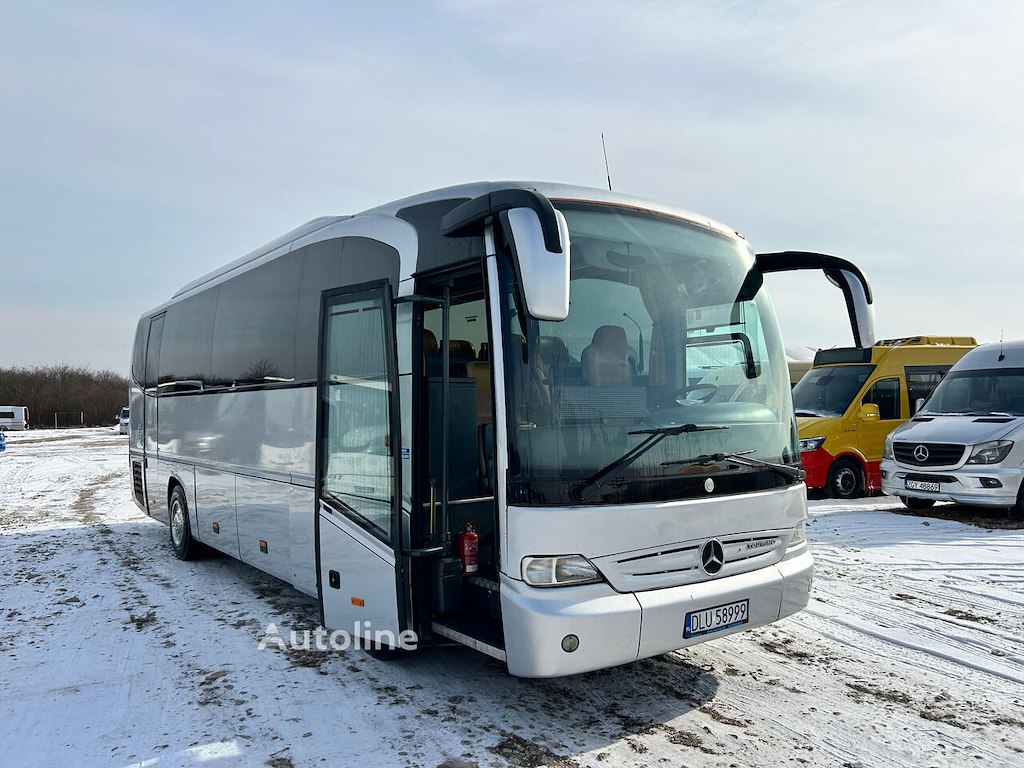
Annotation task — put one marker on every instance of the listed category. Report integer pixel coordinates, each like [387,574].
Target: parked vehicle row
[965,443]
[853,397]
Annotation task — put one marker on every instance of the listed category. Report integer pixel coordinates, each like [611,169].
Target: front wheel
[917,504]
[845,480]
[184,546]
[1017,510]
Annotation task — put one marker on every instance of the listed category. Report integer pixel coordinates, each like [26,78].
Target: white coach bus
[613,417]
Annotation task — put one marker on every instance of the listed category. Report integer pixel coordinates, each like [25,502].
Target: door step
[482,633]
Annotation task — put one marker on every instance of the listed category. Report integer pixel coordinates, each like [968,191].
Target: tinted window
[255,330]
[139,351]
[436,250]
[922,380]
[321,269]
[188,331]
[333,264]
[153,351]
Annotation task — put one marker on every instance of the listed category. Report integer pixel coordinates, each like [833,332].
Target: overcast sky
[144,144]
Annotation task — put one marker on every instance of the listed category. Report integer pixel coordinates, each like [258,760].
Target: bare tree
[63,388]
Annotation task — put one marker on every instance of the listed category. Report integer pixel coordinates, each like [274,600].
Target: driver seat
[608,360]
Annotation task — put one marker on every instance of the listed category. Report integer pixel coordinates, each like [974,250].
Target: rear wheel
[917,504]
[184,546]
[845,479]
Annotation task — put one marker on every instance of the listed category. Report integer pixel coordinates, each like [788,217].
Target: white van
[13,417]
[123,421]
[966,443]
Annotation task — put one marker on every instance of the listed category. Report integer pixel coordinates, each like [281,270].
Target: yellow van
[852,398]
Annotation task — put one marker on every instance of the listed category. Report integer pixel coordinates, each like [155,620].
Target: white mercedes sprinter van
[966,443]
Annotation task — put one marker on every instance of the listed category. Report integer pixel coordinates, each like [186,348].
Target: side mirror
[918,404]
[841,273]
[869,412]
[543,274]
[540,240]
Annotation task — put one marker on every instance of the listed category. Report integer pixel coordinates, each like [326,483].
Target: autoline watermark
[362,636]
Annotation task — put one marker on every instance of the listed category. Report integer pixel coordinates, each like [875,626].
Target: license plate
[920,485]
[716,619]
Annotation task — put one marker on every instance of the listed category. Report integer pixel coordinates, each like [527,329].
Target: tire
[1017,510]
[184,546]
[845,480]
[917,504]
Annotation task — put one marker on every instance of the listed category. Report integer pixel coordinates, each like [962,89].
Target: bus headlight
[559,570]
[799,534]
[990,453]
[809,444]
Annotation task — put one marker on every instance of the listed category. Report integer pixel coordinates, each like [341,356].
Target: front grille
[680,564]
[939,454]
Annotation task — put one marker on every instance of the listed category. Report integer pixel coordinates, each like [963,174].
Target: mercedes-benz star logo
[712,557]
[921,453]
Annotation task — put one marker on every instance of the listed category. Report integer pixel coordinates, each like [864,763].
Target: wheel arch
[853,455]
[175,480]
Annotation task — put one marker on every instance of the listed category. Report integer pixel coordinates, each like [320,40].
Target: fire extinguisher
[469,549]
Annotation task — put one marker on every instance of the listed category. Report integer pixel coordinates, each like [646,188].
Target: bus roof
[462,192]
[553,191]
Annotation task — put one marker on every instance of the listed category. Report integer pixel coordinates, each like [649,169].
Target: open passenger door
[358,531]
[843,274]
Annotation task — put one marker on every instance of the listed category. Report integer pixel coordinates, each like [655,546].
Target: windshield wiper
[742,459]
[806,413]
[654,436]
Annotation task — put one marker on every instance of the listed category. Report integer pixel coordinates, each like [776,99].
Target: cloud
[160,141]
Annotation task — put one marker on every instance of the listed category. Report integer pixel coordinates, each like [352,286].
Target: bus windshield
[663,365]
[829,390]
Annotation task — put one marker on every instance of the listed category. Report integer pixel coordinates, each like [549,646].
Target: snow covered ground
[112,652]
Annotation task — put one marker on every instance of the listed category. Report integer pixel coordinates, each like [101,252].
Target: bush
[64,389]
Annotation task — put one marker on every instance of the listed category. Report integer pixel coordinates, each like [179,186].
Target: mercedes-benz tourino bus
[548,422]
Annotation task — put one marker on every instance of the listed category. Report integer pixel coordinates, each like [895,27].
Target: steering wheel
[712,389]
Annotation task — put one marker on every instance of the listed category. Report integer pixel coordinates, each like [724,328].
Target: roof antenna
[607,172]
[1001,355]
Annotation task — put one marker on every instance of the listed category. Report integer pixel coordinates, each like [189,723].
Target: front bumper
[616,628]
[816,465]
[965,485]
